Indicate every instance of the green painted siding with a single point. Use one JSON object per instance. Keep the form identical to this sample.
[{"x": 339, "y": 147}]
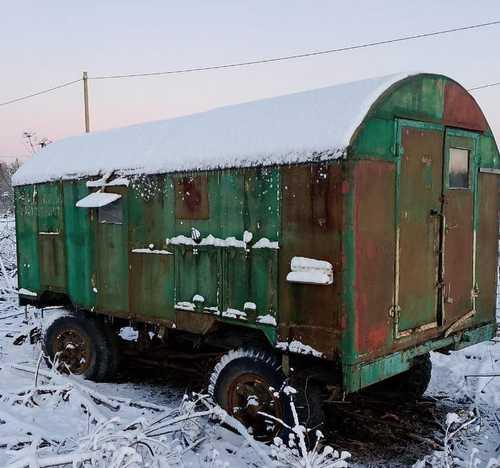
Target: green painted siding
[
  {"x": 27, "y": 238},
  {"x": 51, "y": 236},
  {"x": 112, "y": 263},
  {"x": 80, "y": 246},
  {"x": 488, "y": 152},
  {"x": 420, "y": 98},
  {"x": 150, "y": 221},
  {"x": 375, "y": 139},
  {"x": 229, "y": 277}
]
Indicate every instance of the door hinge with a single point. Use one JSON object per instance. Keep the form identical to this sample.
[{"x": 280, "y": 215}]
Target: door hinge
[{"x": 394, "y": 311}]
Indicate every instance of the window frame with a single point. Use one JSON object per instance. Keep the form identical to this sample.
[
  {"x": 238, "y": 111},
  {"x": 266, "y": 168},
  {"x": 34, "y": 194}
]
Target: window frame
[{"x": 448, "y": 168}]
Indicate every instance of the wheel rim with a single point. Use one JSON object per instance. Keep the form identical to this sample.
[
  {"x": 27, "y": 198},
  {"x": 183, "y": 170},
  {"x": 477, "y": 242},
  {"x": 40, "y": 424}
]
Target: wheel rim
[
  {"x": 249, "y": 395},
  {"x": 73, "y": 350}
]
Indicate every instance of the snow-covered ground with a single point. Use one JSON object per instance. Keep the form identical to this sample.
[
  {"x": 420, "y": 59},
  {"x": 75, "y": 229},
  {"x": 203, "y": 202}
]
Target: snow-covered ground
[{"x": 48, "y": 420}]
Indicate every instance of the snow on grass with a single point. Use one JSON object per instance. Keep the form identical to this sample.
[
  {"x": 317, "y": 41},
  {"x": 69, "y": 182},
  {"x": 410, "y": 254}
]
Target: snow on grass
[{"x": 470, "y": 376}]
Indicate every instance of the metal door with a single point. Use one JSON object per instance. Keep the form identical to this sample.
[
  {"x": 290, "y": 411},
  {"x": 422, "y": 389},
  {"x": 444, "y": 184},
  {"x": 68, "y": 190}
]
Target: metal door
[
  {"x": 418, "y": 226},
  {"x": 459, "y": 239}
]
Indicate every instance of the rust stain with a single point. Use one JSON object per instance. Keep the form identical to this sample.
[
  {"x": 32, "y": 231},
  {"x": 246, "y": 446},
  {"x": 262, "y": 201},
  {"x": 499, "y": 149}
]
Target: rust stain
[
  {"x": 461, "y": 110},
  {"x": 191, "y": 197},
  {"x": 312, "y": 214},
  {"x": 486, "y": 262},
  {"x": 374, "y": 238},
  {"x": 458, "y": 255}
]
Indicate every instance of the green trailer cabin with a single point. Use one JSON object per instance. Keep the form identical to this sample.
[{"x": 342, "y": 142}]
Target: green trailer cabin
[{"x": 336, "y": 236}]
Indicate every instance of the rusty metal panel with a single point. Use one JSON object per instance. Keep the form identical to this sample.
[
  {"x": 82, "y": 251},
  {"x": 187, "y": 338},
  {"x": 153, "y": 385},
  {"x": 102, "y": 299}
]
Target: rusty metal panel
[
  {"x": 375, "y": 253},
  {"x": 311, "y": 227},
  {"x": 457, "y": 255},
  {"x": 193, "y": 322},
  {"x": 420, "y": 189},
  {"x": 191, "y": 197},
  {"x": 461, "y": 110},
  {"x": 487, "y": 246}
]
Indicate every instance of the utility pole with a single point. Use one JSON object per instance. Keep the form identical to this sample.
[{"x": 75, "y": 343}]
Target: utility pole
[{"x": 86, "y": 101}]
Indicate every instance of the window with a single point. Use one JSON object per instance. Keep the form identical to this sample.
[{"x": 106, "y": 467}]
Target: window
[
  {"x": 458, "y": 169},
  {"x": 111, "y": 213}
]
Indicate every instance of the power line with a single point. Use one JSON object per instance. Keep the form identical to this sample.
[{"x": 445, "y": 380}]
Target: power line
[
  {"x": 268, "y": 60},
  {"x": 38, "y": 93},
  {"x": 299, "y": 56},
  {"x": 488, "y": 85}
]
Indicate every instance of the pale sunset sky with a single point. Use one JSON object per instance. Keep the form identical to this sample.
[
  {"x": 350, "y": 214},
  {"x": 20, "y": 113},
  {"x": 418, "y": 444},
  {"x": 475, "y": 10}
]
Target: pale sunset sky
[{"x": 51, "y": 42}]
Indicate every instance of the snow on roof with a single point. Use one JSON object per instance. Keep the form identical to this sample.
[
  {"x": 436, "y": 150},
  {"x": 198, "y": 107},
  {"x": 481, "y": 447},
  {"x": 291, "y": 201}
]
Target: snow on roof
[{"x": 284, "y": 129}]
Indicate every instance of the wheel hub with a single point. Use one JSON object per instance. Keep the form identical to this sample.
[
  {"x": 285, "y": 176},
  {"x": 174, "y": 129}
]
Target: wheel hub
[
  {"x": 250, "y": 398},
  {"x": 73, "y": 350}
]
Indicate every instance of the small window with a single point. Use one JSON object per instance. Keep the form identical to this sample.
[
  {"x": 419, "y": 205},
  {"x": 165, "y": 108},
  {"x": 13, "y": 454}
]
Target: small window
[
  {"x": 458, "y": 170},
  {"x": 111, "y": 213}
]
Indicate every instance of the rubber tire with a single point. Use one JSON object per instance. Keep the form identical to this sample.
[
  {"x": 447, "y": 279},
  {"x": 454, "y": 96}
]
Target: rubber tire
[
  {"x": 411, "y": 384},
  {"x": 257, "y": 362},
  {"x": 308, "y": 399},
  {"x": 104, "y": 361}
]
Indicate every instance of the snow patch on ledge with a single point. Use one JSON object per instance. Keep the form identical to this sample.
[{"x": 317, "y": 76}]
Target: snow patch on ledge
[
  {"x": 310, "y": 271},
  {"x": 27, "y": 292},
  {"x": 211, "y": 240},
  {"x": 97, "y": 200},
  {"x": 152, "y": 251},
  {"x": 298, "y": 347},
  {"x": 265, "y": 243},
  {"x": 267, "y": 319},
  {"x": 184, "y": 305},
  {"x": 234, "y": 314}
]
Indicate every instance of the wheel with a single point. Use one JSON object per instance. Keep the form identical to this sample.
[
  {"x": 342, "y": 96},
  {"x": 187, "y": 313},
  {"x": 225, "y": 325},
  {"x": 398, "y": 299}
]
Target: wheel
[
  {"x": 247, "y": 383},
  {"x": 411, "y": 384},
  {"x": 82, "y": 346}
]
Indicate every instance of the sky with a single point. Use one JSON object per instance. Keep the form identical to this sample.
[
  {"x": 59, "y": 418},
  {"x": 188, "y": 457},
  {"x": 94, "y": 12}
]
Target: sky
[{"x": 46, "y": 43}]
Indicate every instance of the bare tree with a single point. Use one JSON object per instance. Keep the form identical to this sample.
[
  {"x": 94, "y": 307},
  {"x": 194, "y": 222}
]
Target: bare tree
[
  {"x": 34, "y": 142},
  {"x": 6, "y": 189}
]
